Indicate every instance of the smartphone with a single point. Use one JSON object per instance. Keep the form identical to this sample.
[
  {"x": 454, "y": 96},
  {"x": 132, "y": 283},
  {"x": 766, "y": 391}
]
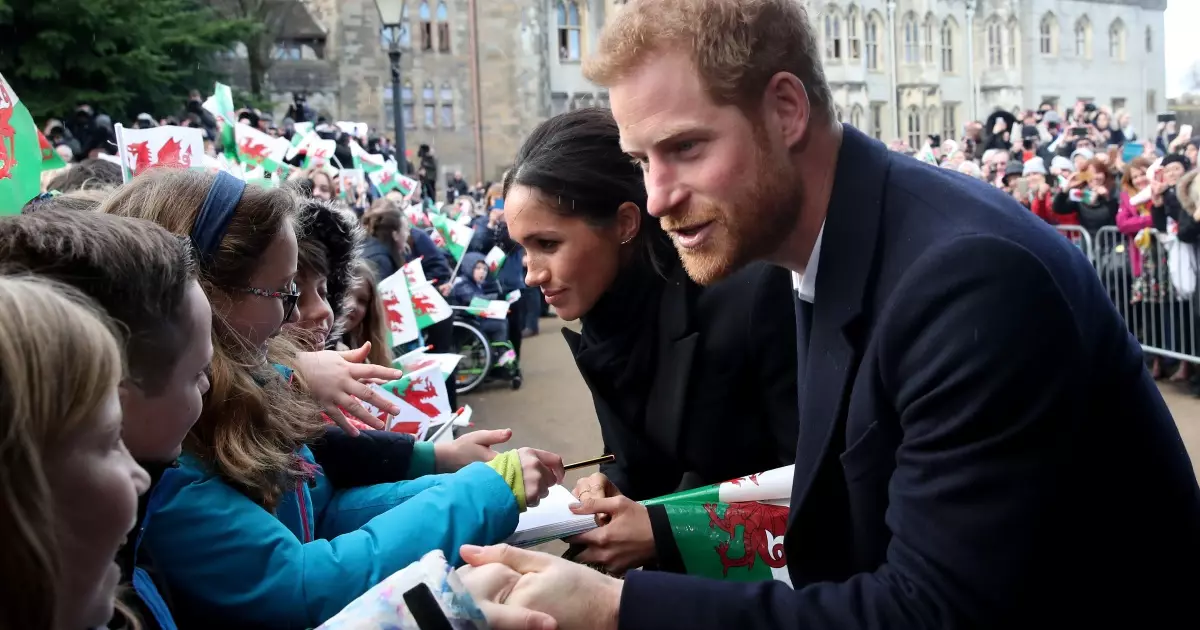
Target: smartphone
[
  {"x": 1167, "y": 117},
  {"x": 1023, "y": 186},
  {"x": 1079, "y": 132},
  {"x": 1185, "y": 131}
]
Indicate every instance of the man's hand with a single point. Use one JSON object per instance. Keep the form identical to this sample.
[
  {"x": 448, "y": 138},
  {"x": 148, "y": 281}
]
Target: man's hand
[
  {"x": 574, "y": 595},
  {"x": 475, "y": 446},
  {"x": 625, "y": 542},
  {"x": 339, "y": 379}
]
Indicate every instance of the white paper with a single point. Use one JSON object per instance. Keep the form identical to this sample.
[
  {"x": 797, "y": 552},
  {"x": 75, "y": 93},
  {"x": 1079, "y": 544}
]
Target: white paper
[{"x": 550, "y": 520}]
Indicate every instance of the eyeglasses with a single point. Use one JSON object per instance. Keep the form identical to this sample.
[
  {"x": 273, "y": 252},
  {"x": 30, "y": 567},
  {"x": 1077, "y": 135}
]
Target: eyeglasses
[{"x": 289, "y": 298}]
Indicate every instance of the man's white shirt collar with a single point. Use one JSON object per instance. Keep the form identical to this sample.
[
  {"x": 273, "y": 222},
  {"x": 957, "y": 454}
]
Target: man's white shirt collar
[{"x": 805, "y": 284}]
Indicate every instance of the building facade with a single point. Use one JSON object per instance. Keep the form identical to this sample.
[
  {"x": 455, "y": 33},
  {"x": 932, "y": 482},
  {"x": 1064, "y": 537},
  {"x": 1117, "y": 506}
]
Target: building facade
[
  {"x": 909, "y": 68},
  {"x": 478, "y": 75}
]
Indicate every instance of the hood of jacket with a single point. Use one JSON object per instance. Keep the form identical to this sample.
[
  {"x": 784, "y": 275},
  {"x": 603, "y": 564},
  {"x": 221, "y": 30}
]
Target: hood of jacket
[
  {"x": 342, "y": 238},
  {"x": 470, "y": 259}
]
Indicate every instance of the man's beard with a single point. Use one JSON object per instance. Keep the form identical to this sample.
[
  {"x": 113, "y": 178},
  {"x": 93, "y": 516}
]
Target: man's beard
[{"x": 751, "y": 227}]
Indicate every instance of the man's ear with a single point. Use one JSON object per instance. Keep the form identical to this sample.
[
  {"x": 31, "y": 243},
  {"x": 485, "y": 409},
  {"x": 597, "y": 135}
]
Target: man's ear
[{"x": 786, "y": 101}]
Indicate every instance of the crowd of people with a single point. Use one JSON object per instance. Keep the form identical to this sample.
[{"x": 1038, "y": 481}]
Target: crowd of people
[
  {"x": 186, "y": 359},
  {"x": 1086, "y": 171}
]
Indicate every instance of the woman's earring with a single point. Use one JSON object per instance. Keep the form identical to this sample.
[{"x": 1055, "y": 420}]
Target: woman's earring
[{"x": 626, "y": 241}]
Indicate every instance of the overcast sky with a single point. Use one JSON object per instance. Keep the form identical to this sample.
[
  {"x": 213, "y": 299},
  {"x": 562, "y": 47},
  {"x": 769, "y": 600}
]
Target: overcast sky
[{"x": 1182, "y": 49}]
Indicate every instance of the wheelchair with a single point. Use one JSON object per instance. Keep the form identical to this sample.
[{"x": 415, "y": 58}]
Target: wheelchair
[{"x": 479, "y": 358}]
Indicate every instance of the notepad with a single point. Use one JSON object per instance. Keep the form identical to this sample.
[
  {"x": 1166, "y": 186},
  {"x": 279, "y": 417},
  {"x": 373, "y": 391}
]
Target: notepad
[{"x": 550, "y": 520}]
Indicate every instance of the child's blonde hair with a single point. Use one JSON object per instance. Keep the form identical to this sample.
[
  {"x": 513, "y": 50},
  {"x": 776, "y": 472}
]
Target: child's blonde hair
[
  {"x": 253, "y": 421},
  {"x": 374, "y": 324},
  {"x": 59, "y": 362}
]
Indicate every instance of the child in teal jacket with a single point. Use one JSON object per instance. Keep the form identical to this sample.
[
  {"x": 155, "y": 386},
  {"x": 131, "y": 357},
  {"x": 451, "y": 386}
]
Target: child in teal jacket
[{"x": 230, "y": 562}]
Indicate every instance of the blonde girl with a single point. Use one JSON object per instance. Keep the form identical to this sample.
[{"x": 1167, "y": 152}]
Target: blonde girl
[{"x": 69, "y": 487}]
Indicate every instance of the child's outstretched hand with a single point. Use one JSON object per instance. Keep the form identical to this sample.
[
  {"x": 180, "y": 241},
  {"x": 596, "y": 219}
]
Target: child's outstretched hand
[{"x": 469, "y": 448}]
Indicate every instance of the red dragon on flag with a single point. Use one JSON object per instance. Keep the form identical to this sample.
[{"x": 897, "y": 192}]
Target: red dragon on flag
[
  {"x": 168, "y": 156},
  {"x": 254, "y": 152},
  {"x": 422, "y": 305},
  {"x": 8, "y": 140},
  {"x": 418, "y": 394},
  {"x": 759, "y": 522},
  {"x": 395, "y": 313}
]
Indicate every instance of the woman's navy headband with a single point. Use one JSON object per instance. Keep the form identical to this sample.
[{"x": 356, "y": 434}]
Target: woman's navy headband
[{"x": 215, "y": 215}]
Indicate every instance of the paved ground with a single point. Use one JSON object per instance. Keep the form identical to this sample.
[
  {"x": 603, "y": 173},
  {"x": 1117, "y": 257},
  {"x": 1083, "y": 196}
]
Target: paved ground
[{"x": 554, "y": 409}]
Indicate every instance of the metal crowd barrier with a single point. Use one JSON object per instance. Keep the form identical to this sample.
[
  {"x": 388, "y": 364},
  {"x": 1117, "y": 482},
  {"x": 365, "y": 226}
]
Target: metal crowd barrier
[{"x": 1160, "y": 303}]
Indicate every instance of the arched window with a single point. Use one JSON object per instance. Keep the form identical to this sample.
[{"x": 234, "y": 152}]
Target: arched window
[
  {"x": 949, "y": 122},
  {"x": 874, "y": 27},
  {"x": 406, "y": 105},
  {"x": 995, "y": 43},
  {"x": 426, "y": 19},
  {"x": 912, "y": 39},
  {"x": 927, "y": 38},
  {"x": 833, "y": 35},
  {"x": 914, "y": 128},
  {"x": 949, "y": 27},
  {"x": 1149, "y": 40},
  {"x": 1116, "y": 40},
  {"x": 443, "y": 28},
  {"x": 853, "y": 43},
  {"x": 1013, "y": 43},
  {"x": 856, "y": 117},
  {"x": 569, "y": 33},
  {"x": 429, "y": 104},
  {"x": 446, "y": 100},
  {"x": 933, "y": 122},
  {"x": 1083, "y": 38},
  {"x": 1048, "y": 35}
]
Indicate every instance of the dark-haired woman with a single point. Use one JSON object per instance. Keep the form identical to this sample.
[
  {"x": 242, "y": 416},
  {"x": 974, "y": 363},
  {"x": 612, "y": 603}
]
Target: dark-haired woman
[{"x": 692, "y": 385}]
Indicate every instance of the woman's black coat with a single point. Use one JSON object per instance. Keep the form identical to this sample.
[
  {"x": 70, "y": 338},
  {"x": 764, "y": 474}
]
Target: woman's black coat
[{"x": 722, "y": 399}]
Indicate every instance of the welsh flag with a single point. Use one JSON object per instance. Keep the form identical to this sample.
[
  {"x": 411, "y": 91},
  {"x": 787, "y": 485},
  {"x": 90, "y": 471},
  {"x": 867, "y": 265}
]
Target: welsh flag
[
  {"x": 422, "y": 400},
  {"x": 733, "y": 530},
  {"x": 428, "y": 304},
  {"x": 50, "y": 158},
  {"x": 456, "y": 235},
  {"x": 173, "y": 147},
  {"x": 419, "y": 359},
  {"x": 495, "y": 259},
  {"x": 398, "y": 304},
  {"x": 417, "y": 216},
  {"x": 388, "y": 179},
  {"x": 300, "y": 131},
  {"x": 220, "y": 105},
  {"x": 368, "y": 162},
  {"x": 20, "y": 153},
  {"x": 413, "y": 271},
  {"x": 491, "y": 309},
  {"x": 255, "y": 148},
  {"x": 319, "y": 152}
]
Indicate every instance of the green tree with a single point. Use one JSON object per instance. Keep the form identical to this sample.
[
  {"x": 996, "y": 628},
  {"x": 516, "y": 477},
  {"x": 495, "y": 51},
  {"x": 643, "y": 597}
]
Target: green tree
[{"x": 120, "y": 56}]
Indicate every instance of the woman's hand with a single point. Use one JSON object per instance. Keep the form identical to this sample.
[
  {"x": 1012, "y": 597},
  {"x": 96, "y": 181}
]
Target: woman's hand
[
  {"x": 475, "y": 446},
  {"x": 540, "y": 470},
  {"x": 625, "y": 542},
  {"x": 335, "y": 379},
  {"x": 596, "y": 486}
]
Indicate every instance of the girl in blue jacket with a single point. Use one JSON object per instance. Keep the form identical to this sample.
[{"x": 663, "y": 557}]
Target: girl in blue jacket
[{"x": 247, "y": 530}]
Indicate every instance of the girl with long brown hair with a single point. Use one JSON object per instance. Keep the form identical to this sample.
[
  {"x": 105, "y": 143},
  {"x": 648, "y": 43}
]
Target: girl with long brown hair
[
  {"x": 366, "y": 321},
  {"x": 247, "y": 530},
  {"x": 68, "y": 486}
]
